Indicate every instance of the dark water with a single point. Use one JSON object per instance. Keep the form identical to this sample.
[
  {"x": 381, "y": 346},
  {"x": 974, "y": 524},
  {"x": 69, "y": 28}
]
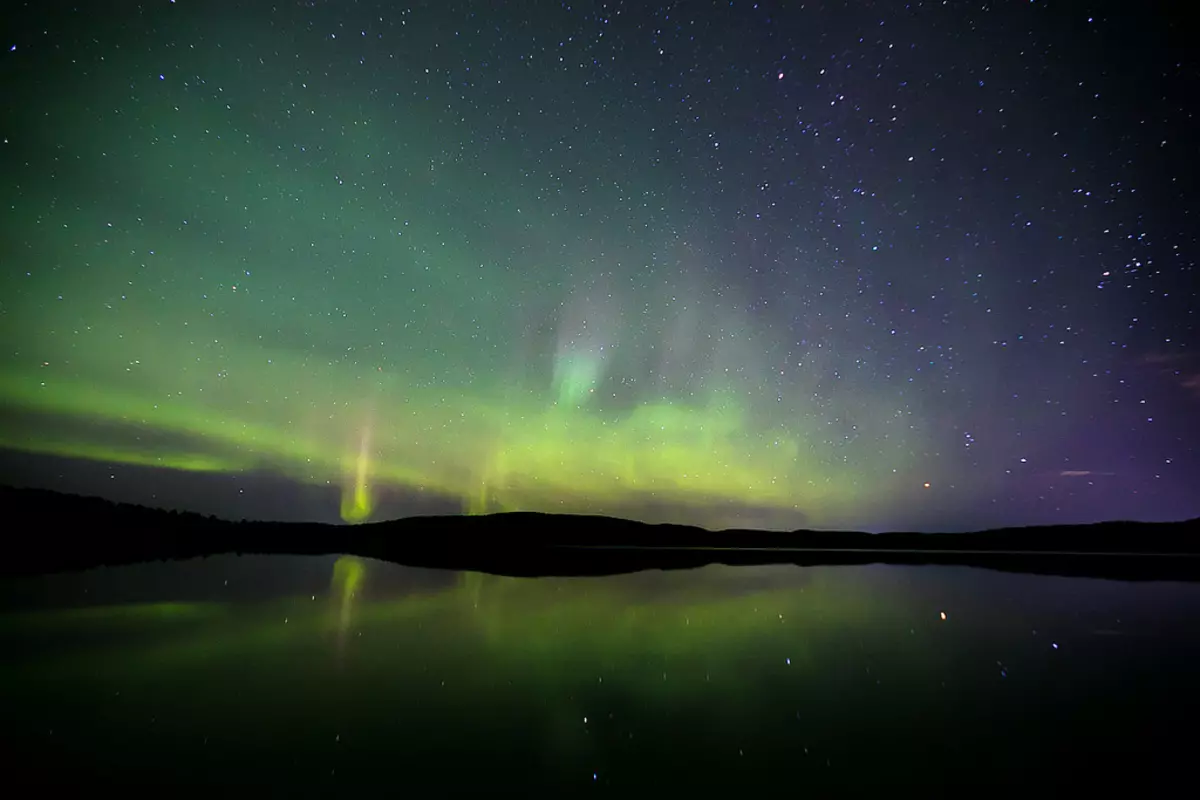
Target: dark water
[{"x": 320, "y": 676}]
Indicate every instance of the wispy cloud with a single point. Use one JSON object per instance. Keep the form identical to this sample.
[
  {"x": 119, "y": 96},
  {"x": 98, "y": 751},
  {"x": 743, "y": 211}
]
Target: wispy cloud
[
  {"x": 1184, "y": 367},
  {"x": 1082, "y": 473}
]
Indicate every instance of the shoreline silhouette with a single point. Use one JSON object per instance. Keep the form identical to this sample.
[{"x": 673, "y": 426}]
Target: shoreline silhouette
[{"x": 55, "y": 532}]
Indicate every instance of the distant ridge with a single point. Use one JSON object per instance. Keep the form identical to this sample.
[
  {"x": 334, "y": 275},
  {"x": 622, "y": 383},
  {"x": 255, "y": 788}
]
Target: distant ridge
[{"x": 49, "y": 531}]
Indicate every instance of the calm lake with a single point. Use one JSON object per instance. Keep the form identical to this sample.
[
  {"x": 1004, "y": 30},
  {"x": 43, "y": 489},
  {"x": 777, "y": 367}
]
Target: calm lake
[{"x": 325, "y": 675}]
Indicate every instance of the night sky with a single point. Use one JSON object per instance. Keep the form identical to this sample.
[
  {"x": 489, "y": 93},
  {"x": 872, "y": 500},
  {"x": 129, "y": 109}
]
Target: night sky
[{"x": 866, "y": 265}]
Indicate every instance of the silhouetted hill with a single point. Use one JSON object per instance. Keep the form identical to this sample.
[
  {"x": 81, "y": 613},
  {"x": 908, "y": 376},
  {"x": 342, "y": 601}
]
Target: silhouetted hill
[{"x": 48, "y": 531}]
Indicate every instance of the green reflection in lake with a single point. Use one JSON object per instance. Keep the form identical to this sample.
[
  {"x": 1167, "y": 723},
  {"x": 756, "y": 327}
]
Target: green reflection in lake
[{"x": 691, "y": 680}]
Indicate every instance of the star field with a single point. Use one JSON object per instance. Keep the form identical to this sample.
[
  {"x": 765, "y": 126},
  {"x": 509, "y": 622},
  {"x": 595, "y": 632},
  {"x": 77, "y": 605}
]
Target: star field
[{"x": 781, "y": 265}]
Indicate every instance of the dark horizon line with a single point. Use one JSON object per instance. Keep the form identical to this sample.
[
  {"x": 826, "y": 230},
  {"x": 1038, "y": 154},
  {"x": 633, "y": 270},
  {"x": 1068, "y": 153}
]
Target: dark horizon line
[
  {"x": 594, "y": 517},
  {"x": 56, "y": 532}
]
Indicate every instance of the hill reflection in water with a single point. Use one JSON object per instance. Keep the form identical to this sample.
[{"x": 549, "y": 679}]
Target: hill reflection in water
[{"x": 317, "y": 674}]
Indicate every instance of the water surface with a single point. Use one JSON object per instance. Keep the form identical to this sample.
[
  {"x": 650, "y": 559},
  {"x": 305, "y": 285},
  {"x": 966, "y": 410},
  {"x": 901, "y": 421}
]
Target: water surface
[{"x": 312, "y": 675}]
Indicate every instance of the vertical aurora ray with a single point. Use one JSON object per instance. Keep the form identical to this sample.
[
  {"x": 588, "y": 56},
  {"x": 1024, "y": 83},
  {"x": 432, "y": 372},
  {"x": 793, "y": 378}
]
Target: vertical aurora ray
[
  {"x": 357, "y": 500},
  {"x": 210, "y": 260}
]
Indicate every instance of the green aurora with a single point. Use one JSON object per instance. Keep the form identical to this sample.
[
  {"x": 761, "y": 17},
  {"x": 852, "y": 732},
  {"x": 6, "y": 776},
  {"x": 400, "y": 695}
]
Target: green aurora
[
  {"x": 155, "y": 377},
  {"x": 555, "y": 459},
  {"x": 318, "y": 288}
]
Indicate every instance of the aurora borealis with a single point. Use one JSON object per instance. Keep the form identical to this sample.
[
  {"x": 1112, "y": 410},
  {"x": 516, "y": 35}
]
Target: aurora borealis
[{"x": 736, "y": 264}]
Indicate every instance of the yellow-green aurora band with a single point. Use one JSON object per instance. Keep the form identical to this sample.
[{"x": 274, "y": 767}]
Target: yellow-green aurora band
[
  {"x": 200, "y": 301},
  {"x": 492, "y": 454}
]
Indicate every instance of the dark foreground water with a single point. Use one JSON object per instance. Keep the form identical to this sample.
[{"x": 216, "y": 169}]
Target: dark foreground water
[{"x": 320, "y": 676}]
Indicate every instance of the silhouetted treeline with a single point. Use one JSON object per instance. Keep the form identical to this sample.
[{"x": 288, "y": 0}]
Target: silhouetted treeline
[{"x": 49, "y": 531}]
